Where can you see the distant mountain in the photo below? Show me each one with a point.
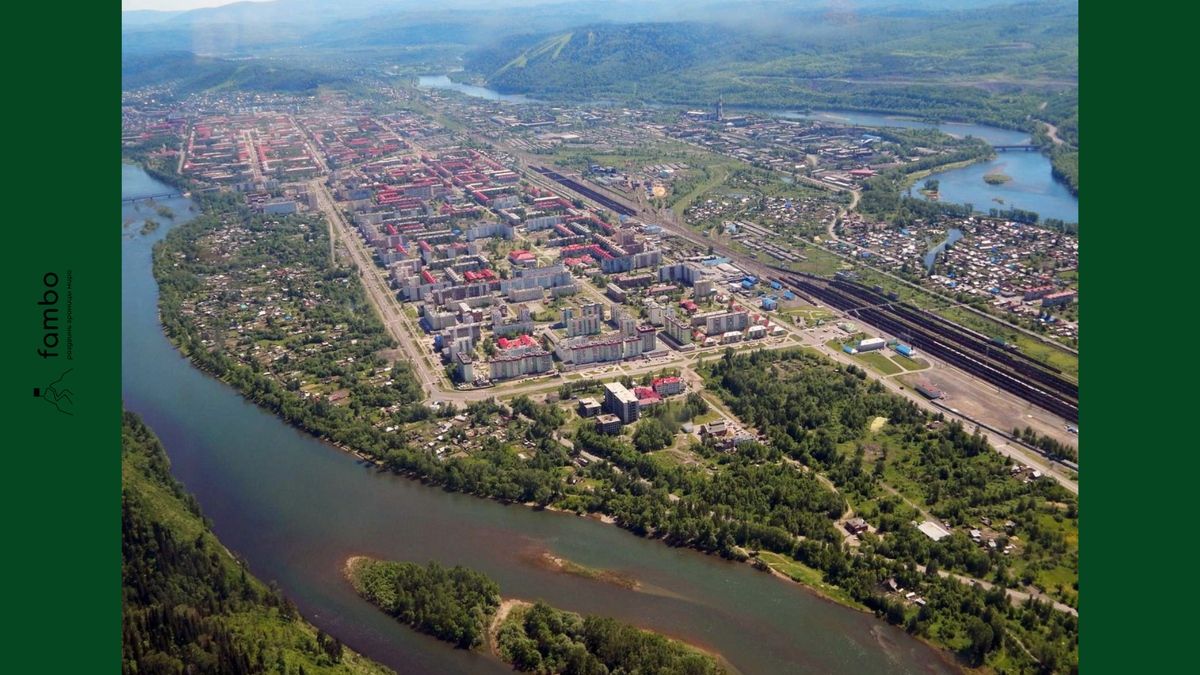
(801, 52)
(190, 73)
(612, 58)
(143, 17)
(246, 28)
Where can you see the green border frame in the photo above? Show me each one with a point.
(61, 471)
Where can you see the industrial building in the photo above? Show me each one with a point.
(870, 344)
(929, 391)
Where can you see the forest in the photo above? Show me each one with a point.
(452, 604)
(544, 640)
(818, 414)
(188, 605)
(459, 605)
(187, 73)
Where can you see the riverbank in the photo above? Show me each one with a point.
(910, 179)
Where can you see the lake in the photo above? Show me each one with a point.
(444, 82)
(296, 508)
(1032, 187)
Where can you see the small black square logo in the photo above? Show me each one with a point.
(37, 393)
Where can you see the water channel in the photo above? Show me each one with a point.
(952, 235)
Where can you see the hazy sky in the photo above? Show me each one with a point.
(176, 5)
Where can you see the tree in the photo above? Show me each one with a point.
(982, 639)
(652, 434)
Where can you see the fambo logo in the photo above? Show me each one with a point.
(56, 393)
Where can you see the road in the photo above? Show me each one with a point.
(255, 165)
(1052, 132)
(378, 289)
(1017, 597)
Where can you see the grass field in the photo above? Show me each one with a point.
(809, 577)
(879, 362)
(909, 364)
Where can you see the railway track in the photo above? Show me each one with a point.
(586, 191)
(947, 342)
(980, 345)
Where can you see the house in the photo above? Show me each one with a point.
(856, 525)
(717, 429)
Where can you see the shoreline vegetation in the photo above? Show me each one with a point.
(464, 607)
(188, 601)
(811, 549)
(550, 561)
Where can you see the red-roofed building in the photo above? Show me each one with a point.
(521, 257)
(646, 396)
(667, 386)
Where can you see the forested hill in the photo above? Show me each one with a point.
(187, 604)
(187, 73)
(800, 57)
(611, 58)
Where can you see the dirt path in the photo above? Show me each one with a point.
(502, 612)
(1052, 132)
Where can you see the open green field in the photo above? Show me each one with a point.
(809, 312)
(808, 576)
(819, 262)
(909, 364)
(878, 362)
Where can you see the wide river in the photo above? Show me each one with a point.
(296, 508)
(1032, 187)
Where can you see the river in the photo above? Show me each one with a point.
(296, 508)
(1032, 187)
